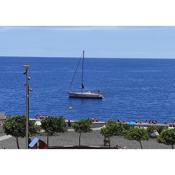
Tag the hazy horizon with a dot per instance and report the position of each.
(57, 57)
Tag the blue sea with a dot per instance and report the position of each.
(134, 89)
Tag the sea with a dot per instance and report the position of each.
(133, 89)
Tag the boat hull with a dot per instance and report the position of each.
(87, 95)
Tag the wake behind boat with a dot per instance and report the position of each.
(83, 93)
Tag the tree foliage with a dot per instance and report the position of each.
(52, 125)
(159, 129)
(113, 129)
(167, 137)
(16, 126)
(82, 126)
(33, 128)
(138, 134)
(126, 127)
(107, 133)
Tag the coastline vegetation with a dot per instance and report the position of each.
(159, 129)
(16, 126)
(138, 134)
(82, 126)
(52, 125)
(167, 137)
(113, 129)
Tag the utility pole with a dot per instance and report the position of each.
(27, 78)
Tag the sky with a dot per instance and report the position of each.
(98, 42)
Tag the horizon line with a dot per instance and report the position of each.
(87, 57)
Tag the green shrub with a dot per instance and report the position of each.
(16, 126)
(167, 137)
(82, 126)
(52, 125)
(159, 129)
(138, 134)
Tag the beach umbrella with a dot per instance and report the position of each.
(131, 123)
(33, 142)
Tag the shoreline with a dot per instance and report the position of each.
(141, 124)
(96, 123)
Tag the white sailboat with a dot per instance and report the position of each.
(83, 93)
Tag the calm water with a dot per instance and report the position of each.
(134, 89)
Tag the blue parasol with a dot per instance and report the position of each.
(132, 123)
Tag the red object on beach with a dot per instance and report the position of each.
(42, 145)
(36, 143)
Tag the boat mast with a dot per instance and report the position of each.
(82, 75)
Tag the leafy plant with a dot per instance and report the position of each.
(52, 125)
(167, 137)
(107, 133)
(82, 126)
(138, 134)
(16, 126)
(33, 128)
(126, 126)
(159, 129)
(113, 129)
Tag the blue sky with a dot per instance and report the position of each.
(113, 42)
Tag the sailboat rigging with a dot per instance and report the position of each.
(83, 93)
